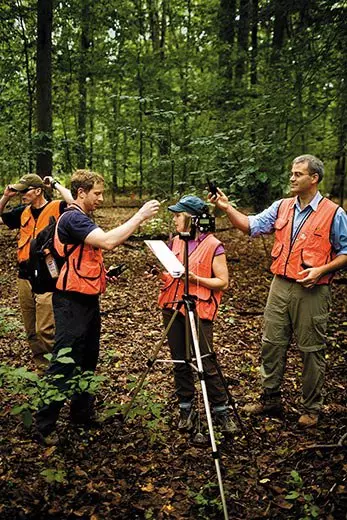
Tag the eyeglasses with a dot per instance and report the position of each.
(27, 189)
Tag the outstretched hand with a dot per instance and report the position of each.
(149, 209)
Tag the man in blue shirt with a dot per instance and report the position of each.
(310, 245)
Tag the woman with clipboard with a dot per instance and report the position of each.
(208, 277)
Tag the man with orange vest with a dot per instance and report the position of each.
(76, 302)
(30, 218)
(310, 245)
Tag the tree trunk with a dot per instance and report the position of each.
(125, 158)
(254, 53)
(338, 189)
(44, 157)
(29, 89)
(226, 19)
(82, 84)
(91, 111)
(184, 97)
(280, 25)
(242, 42)
(114, 141)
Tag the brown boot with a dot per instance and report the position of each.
(270, 404)
(308, 420)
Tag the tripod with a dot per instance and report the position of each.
(188, 302)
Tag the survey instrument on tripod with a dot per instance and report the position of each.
(189, 308)
(188, 303)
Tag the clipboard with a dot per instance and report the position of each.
(166, 257)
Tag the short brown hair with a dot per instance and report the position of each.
(314, 165)
(84, 179)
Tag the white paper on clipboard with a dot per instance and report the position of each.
(166, 257)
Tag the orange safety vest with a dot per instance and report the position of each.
(83, 270)
(200, 263)
(29, 227)
(311, 246)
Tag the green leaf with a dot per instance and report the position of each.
(65, 360)
(27, 417)
(63, 351)
(17, 409)
(83, 385)
(314, 510)
(53, 475)
(293, 495)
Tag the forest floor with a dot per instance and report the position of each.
(144, 468)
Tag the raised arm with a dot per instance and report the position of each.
(110, 239)
(7, 195)
(64, 192)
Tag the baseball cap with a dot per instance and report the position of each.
(190, 204)
(31, 180)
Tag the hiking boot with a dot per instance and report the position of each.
(51, 439)
(225, 422)
(187, 419)
(270, 405)
(308, 420)
(41, 365)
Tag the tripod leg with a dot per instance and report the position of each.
(215, 453)
(150, 363)
(231, 400)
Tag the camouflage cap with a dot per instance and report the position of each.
(30, 180)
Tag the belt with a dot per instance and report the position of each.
(285, 278)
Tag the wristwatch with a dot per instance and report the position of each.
(53, 184)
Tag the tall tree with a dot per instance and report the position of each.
(254, 39)
(30, 87)
(83, 74)
(226, 33)
(44, 157)
(339, 184)
(242, 42)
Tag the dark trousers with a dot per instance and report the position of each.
(77, 322)
(183, 373)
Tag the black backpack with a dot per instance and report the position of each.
(40, 247)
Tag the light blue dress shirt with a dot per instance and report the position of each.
(263, 223)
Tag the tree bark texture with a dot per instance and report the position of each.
(44, 155)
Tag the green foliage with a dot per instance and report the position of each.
(35, 391)
(305, 501)
(147, 407)
(160, 109)
(206, 500)
(52, 475)
(9, 323)
(156, 226)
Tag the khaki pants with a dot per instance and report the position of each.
(38, 320)
(292, 309)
